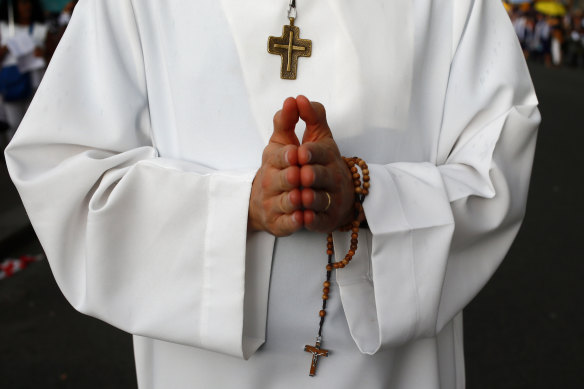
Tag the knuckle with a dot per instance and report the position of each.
(283, 203)
(268, 154)
(265, 183)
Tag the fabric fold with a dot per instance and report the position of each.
(156, 246)
(432, 223)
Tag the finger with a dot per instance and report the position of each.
(287, 202)
(281, 157)
(287, 224)
(314, 115)
(322, 152)
(318, 222)
(285, 122)
(290, 178)
(319, 201)
(316, 177)
(275, 182)
(282, 181)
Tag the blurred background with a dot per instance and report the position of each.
(524, 330)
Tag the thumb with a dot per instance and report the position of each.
(314, 115)
(285, 123)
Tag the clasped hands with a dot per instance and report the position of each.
(298, 185)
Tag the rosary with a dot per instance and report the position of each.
(290, 47)
(361, 190)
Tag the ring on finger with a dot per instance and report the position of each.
(330, 201)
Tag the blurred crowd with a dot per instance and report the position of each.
(29, 35)
(549, 32)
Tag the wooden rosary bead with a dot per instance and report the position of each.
(362, 184)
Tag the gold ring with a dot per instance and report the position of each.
(330, 201)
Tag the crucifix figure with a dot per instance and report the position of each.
(316, 352)
(289, 46)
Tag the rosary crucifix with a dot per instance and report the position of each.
(316, 352)
(289, 46)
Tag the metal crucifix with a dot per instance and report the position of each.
(289, 46)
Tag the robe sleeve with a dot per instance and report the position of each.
(438, 230)
(154, 246)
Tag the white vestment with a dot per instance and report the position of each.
(136, 159)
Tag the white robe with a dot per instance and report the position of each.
(136, 158)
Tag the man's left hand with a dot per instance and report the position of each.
(323, 171)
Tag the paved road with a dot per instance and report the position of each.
(524, 330)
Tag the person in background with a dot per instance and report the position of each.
(28, 19)
(557, 40)
(57, 28)
(574, 41)
(65, 15)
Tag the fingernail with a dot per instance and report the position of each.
(296, 219)
(286, 156)
(309, 156)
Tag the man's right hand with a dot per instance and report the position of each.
(275, 203)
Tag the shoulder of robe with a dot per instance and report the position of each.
(113, 14)
(462, 10)
(109, 5)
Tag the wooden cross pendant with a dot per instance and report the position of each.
(289, 46)
(316, 352)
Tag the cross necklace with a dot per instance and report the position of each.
(289, 46)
